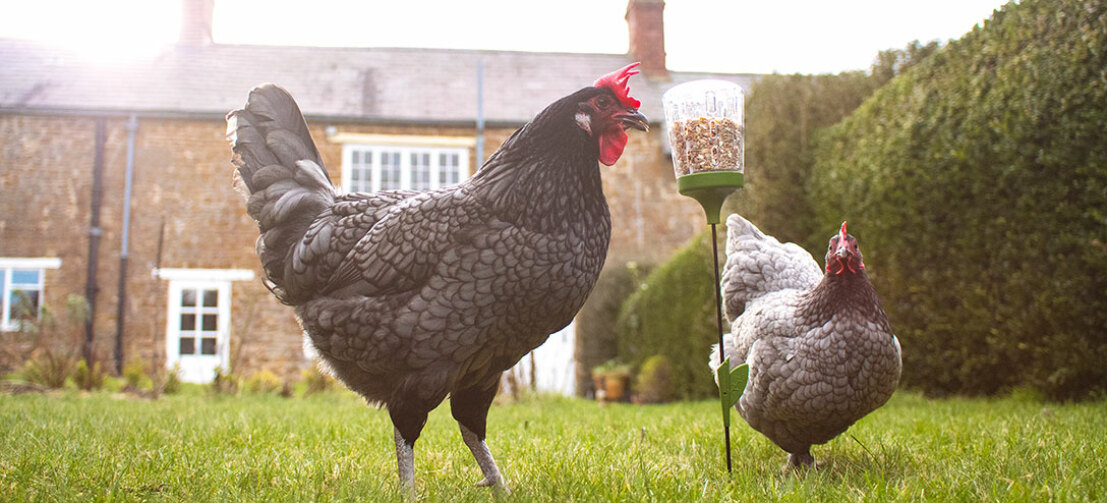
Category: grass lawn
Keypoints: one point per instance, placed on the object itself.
(67, 446)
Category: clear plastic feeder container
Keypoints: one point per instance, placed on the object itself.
(705, 120)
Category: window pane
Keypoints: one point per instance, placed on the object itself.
(207, 346)
(25, 276)
(188, 346)
(447, 169)
(23, 305)
(209, 322)
(211, 298)
(188, 298)
(390, 170)
(355, 158)
(420, 171)
(188, 322)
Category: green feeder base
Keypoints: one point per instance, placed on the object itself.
(710, 188)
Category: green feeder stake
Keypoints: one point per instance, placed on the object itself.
(705, 123)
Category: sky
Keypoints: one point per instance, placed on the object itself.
(729, 36)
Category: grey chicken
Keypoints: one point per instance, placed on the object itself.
(820, 350)
(412, 296)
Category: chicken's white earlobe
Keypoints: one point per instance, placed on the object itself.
(584, 121)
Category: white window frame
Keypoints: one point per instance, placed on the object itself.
(10, 264)
(200, 279)
(405, 153)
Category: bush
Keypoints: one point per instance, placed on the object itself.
(171, 383)
(48, 368)
(316, 380)
(134, 374)
(783, 112)
(674, 315)
(655, 380)
(262, 381)
(975, 183)
(224, 383)
(88, 379)
(597, 323)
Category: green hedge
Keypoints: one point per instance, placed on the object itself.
(673, 315)
(597, 322)
(976, 183)
(783, 112)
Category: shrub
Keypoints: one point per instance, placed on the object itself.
(597, 323)
(134, 374)
(783, 112)
(88, 379)
(48, 368)
(171, 382)
(224, 383)
(262, 381)
(316, 380)
(975, 183)
(655, 380)
(674, 315)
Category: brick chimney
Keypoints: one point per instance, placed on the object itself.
(196, 18)
(646, 24)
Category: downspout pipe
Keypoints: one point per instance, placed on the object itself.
(480, 113)
(124, 253)
(94, 233)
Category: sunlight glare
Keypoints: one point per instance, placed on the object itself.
(103, 31)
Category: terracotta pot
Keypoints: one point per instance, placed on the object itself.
(615, 387)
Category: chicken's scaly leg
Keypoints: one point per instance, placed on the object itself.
(470, 409)
(408, 420)
(479, 448)
(405, 463)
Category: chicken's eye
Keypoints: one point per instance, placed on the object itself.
(603, 101)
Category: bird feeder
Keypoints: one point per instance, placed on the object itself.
(705, 120)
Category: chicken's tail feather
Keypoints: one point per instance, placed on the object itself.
(280, 172)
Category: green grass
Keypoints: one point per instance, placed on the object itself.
(70, 446)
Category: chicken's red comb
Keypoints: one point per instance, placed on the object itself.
(617, 82)
(842, 233)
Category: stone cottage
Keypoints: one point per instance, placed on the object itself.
(115, 180)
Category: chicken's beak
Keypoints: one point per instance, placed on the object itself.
(632, 118)
(842, 251)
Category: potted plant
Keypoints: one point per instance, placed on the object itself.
(612, 380)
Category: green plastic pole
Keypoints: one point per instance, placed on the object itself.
(711, 189)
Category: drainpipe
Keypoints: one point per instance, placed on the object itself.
(124, 254)
(480, 113)
(94, 233)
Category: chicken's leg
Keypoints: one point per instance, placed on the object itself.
(470, 409)
(800, 460)
(408, 421)
(405, 462)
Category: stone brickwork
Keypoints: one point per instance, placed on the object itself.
(182, 184)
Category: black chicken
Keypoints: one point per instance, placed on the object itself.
(412, 296)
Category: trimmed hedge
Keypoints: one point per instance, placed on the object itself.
(783, 112)
(596, 324)
(673, 315)
(976, 184)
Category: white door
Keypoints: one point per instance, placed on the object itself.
(199, 317)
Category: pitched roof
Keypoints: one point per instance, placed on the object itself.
(363, 84)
